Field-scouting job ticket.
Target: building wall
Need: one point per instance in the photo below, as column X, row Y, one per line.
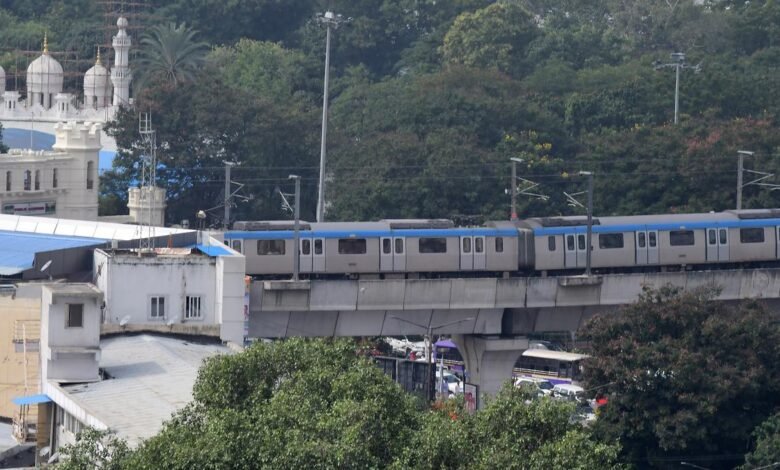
column 130, row 282
column 15, row 312
column 75, row 161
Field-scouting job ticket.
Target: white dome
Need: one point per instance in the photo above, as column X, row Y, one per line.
column 44, row 75
column 97, row 81
column 121, row 22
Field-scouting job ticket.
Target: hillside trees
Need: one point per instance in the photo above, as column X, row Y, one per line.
column 686, row 375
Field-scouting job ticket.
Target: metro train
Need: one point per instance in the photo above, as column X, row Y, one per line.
column 437, row 248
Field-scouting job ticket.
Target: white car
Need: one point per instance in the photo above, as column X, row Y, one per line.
column 568, row 391
column 451, row 381
column 544, row 386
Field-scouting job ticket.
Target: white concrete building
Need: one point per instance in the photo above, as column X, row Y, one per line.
column 70, row 332
column 59, row 183
column 197, row 290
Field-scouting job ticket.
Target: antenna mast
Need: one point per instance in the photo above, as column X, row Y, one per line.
column 148, row 177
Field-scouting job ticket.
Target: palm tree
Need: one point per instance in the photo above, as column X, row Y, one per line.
column 170, row 55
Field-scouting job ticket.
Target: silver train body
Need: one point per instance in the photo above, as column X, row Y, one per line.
column 437, row 247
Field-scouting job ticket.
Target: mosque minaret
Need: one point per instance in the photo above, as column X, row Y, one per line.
column 121, row 74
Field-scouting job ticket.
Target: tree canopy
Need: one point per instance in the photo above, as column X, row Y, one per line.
column 317, row 404
column 686, row 376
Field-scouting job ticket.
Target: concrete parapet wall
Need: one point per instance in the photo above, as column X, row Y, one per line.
column 373, row 307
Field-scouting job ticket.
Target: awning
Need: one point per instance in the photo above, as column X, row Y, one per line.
column 213, row 250
column 31, row 399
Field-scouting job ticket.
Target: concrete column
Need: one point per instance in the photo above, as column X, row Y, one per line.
column 489, row 361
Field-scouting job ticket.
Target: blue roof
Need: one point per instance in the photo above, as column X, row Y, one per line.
column 18, row 249
column 212, row 250
column 31, row 399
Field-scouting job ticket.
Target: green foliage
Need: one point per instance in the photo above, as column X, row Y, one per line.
column 169, row 55
column 94, row 449
column 492, row 37
column 767, row 447
column 686, row 375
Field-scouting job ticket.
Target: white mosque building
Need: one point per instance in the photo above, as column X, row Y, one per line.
column 45, row 103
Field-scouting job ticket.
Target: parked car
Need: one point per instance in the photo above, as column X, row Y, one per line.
column 453, row 383
column 544, row 386
column 568, row 391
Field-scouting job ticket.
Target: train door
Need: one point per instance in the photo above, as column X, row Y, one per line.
column 652, row 247
column 717, row 244
column 778, row 242
column 641, row 247
column 306, row 258
column 318, row 255
column 582, row 254
column 480, row 258
column 570, row 250
column 466, row 253
column 399, row 254
column 386, row 254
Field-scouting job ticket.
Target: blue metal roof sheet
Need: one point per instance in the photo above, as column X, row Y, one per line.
column 212, row 250
column 18, row 249
column 31, row 399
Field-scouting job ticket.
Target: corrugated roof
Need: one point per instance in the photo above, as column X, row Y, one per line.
column 213, row 250
column 17, row 249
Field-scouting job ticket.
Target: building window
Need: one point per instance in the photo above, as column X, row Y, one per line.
column 499, row 245
column 37, row 180
column 27, row 180
column 75, row 316
column 432, row 245
column 352, row 246
column 751, row 235
column 90, row 178
column 54, row 178
column 610, row 240
column 7, row 180
column 681, row 238
column 270, row 247
column 157, row 307
column 192, row 309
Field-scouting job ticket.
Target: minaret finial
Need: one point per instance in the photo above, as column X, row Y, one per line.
column 97, row 62
column 45, row 43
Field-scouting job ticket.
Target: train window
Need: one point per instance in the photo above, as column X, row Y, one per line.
column 751, row 235
column 352, row 246
column 499, row 245
column 270, row 247
column 711, row 237
column 318, row 246
column 722, row 234
column 681, row 238
column 467, row 244
column 651, row 239
column 386, row 246
column 479, row 245
column 237, row 245
column 569, row 242
column 432, row 245
column 641, row 239
column 580, row 242
column 306, row 247
column 399, row 246
column 610, row 240
column 551, row 243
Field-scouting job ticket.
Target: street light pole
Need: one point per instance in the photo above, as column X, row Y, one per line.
column 226, row 222
column 428, row 339
column 331, row 21
column 589, row 236
column 741, row 154
column 677, row 91
column 513, row 215
column 296, row 228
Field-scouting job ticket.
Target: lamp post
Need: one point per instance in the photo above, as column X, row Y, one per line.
column 589, row 235
column 678, row 63
column 515, row 161
column 428, row 338
column 296, row 228
column 740, row 169
column 330, row 20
